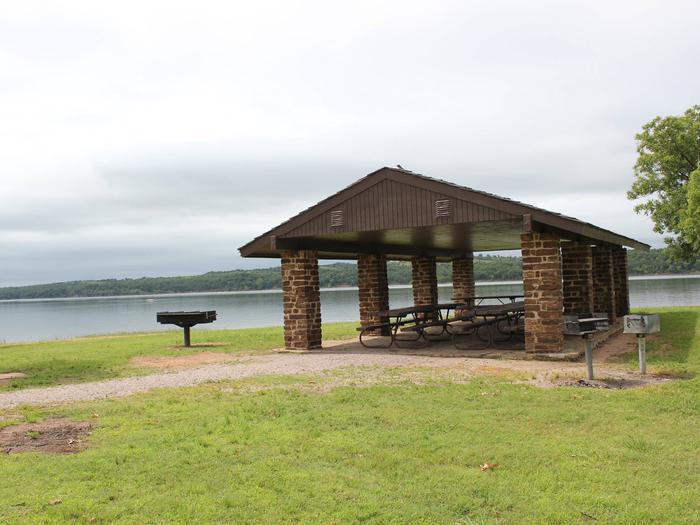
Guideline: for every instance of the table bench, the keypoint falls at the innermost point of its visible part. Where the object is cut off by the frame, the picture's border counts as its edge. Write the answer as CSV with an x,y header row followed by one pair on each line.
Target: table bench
x,y
420,319
396,320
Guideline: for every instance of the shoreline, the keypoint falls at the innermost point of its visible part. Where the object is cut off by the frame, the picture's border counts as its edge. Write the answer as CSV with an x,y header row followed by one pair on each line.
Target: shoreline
x,y
648,277
208,328
159,330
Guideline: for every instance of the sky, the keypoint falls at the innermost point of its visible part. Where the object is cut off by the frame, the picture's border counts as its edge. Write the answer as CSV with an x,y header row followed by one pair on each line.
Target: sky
x,y
154,138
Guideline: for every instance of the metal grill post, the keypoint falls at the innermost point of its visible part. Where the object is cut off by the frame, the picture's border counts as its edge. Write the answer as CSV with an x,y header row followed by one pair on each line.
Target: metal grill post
x,y
642,343
589,355
642,324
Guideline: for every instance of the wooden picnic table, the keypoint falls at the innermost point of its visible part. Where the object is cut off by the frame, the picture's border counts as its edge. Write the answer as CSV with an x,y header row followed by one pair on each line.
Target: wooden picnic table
x,y
418,319
477,300
417,309
490,317
496,310
410,318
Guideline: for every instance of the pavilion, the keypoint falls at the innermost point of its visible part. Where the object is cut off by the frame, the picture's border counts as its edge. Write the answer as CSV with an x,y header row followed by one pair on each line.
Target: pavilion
x,y
569,266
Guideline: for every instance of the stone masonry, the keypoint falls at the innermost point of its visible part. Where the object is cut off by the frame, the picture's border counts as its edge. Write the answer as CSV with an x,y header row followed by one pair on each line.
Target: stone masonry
x,y
373,289
622,297
424,281
542,285
302,300
577,277
603,282
462,279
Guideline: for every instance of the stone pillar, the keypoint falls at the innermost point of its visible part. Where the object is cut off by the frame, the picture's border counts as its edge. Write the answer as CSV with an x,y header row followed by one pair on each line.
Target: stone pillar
x,y
603,282
424,281
542,287
373,289
622,296
302,300
577,277
462,279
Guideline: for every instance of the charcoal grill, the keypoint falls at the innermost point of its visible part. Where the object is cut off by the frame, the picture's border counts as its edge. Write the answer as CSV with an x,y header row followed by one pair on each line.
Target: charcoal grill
x,y
585,325
641,325
186,320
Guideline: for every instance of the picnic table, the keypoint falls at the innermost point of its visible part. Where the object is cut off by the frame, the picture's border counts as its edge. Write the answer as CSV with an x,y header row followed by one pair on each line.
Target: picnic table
x,y
494,319
497,310
418,320
413,319
477,300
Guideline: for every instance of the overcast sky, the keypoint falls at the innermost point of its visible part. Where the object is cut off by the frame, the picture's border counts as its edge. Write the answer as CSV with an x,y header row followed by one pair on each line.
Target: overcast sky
x,y
155,138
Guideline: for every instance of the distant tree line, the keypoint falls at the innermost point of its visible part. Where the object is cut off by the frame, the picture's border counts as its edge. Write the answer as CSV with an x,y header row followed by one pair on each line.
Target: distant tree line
x,y
486,268
658,262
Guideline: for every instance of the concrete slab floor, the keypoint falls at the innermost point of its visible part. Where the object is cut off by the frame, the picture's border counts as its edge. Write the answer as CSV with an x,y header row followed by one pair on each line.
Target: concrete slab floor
x,y
573,350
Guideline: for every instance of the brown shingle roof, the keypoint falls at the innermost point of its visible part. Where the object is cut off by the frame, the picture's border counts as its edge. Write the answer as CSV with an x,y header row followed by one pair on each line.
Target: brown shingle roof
x,y
260,246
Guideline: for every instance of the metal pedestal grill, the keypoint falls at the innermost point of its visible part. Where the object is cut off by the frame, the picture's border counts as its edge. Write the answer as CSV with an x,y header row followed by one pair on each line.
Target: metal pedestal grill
x,y
186,320
642,324
585,326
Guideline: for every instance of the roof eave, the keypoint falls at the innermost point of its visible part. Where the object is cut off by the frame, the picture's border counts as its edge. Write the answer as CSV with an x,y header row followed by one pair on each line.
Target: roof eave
x,y
259,245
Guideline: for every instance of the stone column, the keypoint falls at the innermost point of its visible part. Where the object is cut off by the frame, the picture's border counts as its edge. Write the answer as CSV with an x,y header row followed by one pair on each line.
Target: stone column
x,y
622,297
373,289
542,287
577,277
462,279
302,300
424,281
603,282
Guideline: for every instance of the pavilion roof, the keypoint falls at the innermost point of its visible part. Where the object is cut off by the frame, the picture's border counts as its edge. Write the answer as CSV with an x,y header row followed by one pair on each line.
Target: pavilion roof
x,y
401,214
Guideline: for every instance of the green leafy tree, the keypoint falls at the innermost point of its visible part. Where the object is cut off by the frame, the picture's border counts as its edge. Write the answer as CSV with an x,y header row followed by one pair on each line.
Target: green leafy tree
x,y
667,179
690,218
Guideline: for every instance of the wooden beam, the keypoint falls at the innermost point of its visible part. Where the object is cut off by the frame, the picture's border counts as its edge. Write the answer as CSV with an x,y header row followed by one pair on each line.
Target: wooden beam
x,y
324,245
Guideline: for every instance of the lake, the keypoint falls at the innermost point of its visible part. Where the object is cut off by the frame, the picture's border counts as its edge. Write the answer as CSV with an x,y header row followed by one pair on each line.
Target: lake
x,y
45,319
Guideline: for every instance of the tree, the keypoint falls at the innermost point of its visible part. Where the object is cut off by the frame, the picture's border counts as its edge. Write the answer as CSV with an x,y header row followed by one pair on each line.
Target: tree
x,y
667,177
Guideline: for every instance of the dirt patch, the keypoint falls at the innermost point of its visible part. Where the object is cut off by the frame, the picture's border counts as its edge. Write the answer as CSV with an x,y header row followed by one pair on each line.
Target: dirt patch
x,y
615,347
53,436
199,345
616,383
610,377
182,361
6,379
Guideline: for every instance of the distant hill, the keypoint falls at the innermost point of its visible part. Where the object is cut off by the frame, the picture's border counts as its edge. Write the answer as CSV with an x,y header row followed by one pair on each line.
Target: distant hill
x,y
486,268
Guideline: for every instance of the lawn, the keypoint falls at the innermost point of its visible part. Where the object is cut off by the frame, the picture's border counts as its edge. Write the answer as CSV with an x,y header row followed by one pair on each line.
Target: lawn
x,y
293,449
106,357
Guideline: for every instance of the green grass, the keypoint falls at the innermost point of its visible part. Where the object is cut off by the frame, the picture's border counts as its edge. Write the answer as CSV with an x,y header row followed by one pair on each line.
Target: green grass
x,y
288,450
672,353
105,357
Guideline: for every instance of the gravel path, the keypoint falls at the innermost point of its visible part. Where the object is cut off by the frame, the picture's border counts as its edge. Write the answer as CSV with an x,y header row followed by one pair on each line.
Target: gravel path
x,y
269,364
275,364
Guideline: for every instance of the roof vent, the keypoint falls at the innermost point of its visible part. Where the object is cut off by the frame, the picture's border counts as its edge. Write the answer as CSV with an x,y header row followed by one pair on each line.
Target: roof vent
x,y
443,208
337,218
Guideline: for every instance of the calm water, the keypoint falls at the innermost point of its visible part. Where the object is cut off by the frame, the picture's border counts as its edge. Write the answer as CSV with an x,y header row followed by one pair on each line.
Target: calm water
x,y
40,320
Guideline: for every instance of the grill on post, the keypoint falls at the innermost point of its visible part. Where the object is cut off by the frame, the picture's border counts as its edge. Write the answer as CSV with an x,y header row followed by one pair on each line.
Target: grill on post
x,y
642,324
586,325
186,320
573,325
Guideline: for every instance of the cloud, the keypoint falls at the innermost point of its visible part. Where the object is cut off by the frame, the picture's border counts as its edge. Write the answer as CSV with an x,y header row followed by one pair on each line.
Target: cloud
x,y
148,138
